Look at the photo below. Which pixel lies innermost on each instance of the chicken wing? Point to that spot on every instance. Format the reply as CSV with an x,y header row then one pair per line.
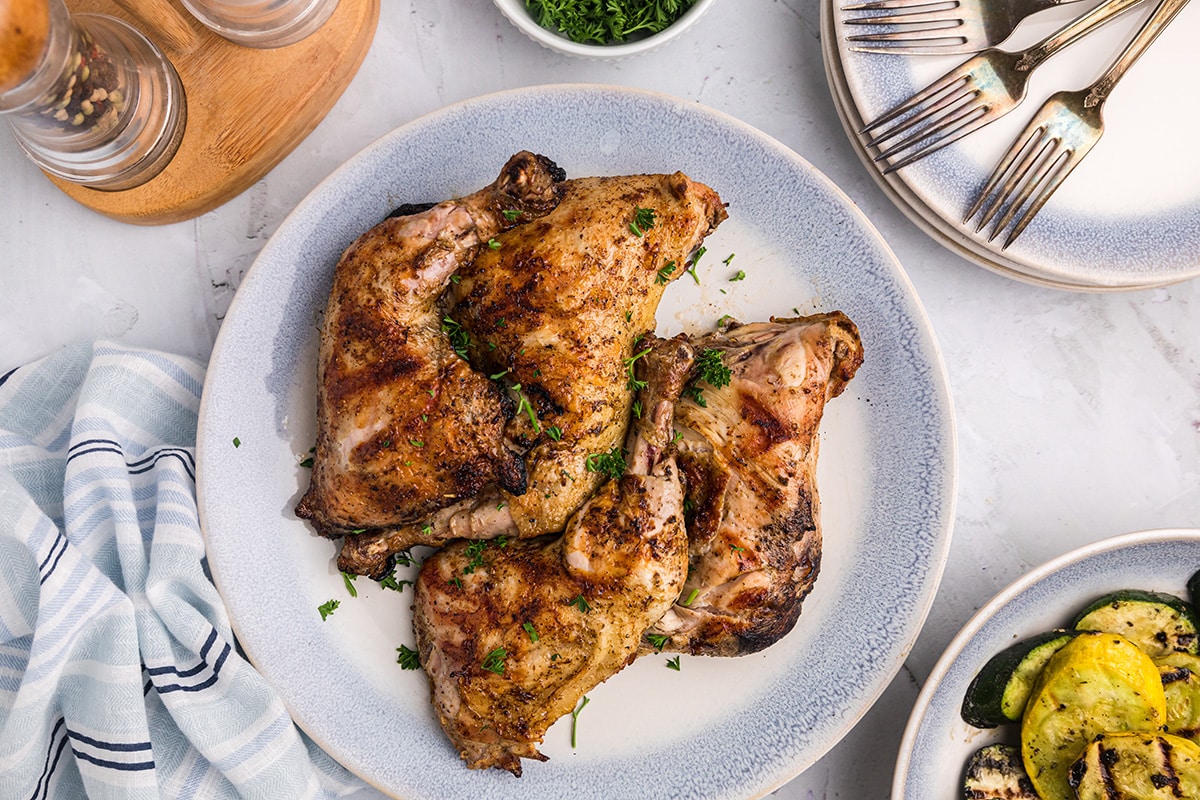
x,y
404,425
749,455
513,633
553,310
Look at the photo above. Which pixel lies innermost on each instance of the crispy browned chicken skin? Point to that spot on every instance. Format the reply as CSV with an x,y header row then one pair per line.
x,y
404,425
554,309
512,634
749,456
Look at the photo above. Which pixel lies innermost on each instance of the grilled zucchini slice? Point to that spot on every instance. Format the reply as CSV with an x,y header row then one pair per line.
x,y
1097,683
995,772
998,694
1158,623
1138,766
1180,673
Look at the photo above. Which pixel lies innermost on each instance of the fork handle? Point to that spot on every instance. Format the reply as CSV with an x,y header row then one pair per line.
x,y
1068,34
1145,37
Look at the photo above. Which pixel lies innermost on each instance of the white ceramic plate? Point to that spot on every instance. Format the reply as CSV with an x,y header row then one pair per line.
x,y
1127,217
731,728
937,742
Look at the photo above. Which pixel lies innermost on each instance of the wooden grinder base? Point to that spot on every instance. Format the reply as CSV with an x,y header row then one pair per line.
x,y
246,108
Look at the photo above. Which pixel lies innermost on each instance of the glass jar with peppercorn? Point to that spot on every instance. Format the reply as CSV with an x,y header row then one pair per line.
x,y
89,99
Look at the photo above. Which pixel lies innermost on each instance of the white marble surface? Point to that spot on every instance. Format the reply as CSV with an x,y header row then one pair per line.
x,y
1078,414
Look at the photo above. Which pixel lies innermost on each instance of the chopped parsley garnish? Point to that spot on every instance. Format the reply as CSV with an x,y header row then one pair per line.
x,y
735,549
582,604
416,442
460,340
494,661
475,554
692,597
658,640
523,404
575,717
407,658
678,437
632,383
637,408
611,463
348,579
610,21
740,276
697,394
427,529
237,442
511,214
628,316
664,274
502,541
722,318
493,244
390,582
533,635
328,608
457,581
673,663
308,462
710,368
404,558
497,376
643,220
727,259
554,432
691,265
456,279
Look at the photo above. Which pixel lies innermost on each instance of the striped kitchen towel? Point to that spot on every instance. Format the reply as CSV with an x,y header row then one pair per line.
x,y
119,674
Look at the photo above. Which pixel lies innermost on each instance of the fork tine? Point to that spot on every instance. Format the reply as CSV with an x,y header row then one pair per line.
x,y
1023,148
1073,157
922,18
965,126
1039,166
906,35
880,5
949,45
949,85
927,122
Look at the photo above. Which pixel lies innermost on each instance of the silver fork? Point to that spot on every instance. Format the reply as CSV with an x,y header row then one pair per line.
x,y
1062,132
939,27
978,91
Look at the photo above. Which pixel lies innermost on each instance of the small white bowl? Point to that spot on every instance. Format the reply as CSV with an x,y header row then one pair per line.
x,y
519,15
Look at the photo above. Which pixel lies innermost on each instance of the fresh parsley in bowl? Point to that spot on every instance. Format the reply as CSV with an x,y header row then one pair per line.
x,y
602,28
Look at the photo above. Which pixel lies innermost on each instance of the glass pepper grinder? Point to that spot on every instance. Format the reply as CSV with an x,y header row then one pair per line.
x,y
89,98
262,23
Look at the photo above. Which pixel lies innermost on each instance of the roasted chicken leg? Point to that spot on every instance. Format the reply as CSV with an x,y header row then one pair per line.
x,y
749,456
553,310
404,425
513,633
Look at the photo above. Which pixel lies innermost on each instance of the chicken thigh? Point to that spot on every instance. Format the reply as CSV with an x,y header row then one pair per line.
x,y
553,310
513,633
749,456
404,425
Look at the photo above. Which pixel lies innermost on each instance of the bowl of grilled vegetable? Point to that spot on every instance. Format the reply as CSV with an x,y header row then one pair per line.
x,y
1080,681
602,28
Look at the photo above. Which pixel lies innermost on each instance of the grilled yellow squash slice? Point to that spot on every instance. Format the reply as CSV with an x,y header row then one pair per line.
x,y
1138,766
1180,674
1097,683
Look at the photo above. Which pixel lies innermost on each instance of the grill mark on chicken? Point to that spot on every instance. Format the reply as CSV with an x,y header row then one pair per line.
x,y
404,426
750,460
624,555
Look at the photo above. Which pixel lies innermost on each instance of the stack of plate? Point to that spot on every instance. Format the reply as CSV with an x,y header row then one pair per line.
x,y
1127,218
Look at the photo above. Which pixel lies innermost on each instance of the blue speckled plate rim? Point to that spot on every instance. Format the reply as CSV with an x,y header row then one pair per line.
x,y
952,234
975,636
761,772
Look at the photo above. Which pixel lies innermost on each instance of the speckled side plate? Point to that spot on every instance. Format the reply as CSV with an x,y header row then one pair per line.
x,y
937,742
1128,217
717,728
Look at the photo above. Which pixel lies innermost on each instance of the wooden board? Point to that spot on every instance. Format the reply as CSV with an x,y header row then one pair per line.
x,y
246,108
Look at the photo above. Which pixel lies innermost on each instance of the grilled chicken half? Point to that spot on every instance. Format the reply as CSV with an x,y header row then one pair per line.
x,y
749,457
512,633
404,425
553,311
